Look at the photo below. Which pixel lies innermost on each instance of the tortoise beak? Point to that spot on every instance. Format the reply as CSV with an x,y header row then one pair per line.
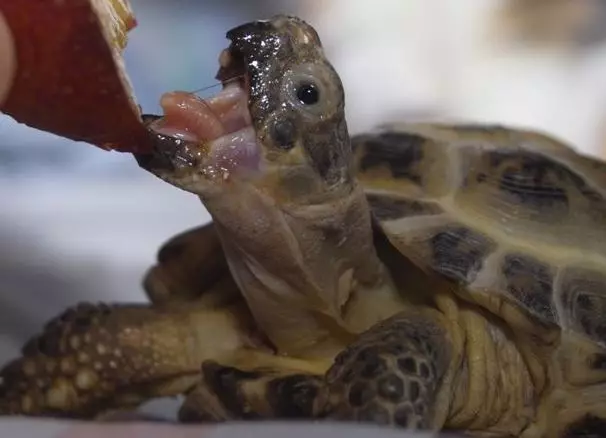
x,y
165,154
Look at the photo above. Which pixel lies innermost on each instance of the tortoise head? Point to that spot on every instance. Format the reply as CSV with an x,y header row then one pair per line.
x,y
270,158
278,125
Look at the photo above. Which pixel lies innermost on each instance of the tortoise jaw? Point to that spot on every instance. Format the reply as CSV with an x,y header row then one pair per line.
x,y
210,139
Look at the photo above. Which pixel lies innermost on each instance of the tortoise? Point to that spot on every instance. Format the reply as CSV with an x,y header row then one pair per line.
x,y
423,276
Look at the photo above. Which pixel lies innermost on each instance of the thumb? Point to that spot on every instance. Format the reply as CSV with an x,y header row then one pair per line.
x,y
7,59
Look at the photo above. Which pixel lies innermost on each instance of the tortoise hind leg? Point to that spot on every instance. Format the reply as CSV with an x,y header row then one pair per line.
x,y
98,358
395,373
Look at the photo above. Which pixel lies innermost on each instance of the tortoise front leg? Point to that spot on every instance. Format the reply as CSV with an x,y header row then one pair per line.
x,y
395,373
98,358
188,267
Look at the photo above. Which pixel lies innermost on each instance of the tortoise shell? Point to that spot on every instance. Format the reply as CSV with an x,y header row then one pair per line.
x,y
511,216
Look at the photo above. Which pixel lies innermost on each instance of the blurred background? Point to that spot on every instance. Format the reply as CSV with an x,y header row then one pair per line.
x,y
79,223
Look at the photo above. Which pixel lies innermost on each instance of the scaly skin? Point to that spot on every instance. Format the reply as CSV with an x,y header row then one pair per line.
x,y
97,358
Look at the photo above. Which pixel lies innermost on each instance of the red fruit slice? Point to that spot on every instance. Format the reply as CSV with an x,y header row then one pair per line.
x,y
70,78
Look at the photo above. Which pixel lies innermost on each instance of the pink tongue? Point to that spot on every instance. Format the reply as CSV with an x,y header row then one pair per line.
x,y
203,120
222,122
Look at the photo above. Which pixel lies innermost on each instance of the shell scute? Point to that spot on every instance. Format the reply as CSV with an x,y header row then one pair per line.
x,y
458,252
583,297
530,282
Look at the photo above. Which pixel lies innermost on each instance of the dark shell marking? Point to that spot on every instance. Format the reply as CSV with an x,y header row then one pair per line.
x,y
598,362
386,207
540,188
584,301
530,190
531,282
531,180
458,252
398,151
516,214
589,426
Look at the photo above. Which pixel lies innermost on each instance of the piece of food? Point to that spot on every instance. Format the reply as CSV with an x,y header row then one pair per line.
x,y
70,78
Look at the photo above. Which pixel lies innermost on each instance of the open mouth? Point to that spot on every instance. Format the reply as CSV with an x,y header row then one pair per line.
x,y
219,128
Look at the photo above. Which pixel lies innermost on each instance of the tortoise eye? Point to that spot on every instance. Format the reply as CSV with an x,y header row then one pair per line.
x,y
308,93
312,90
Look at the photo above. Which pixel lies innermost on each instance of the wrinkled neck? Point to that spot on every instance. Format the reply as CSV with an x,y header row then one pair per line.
x,y
296,265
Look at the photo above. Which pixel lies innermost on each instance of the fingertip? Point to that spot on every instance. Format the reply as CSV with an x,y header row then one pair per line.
x,y
7,59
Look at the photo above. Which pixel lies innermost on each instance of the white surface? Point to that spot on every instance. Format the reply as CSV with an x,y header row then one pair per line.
x,y
56,429
444,60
